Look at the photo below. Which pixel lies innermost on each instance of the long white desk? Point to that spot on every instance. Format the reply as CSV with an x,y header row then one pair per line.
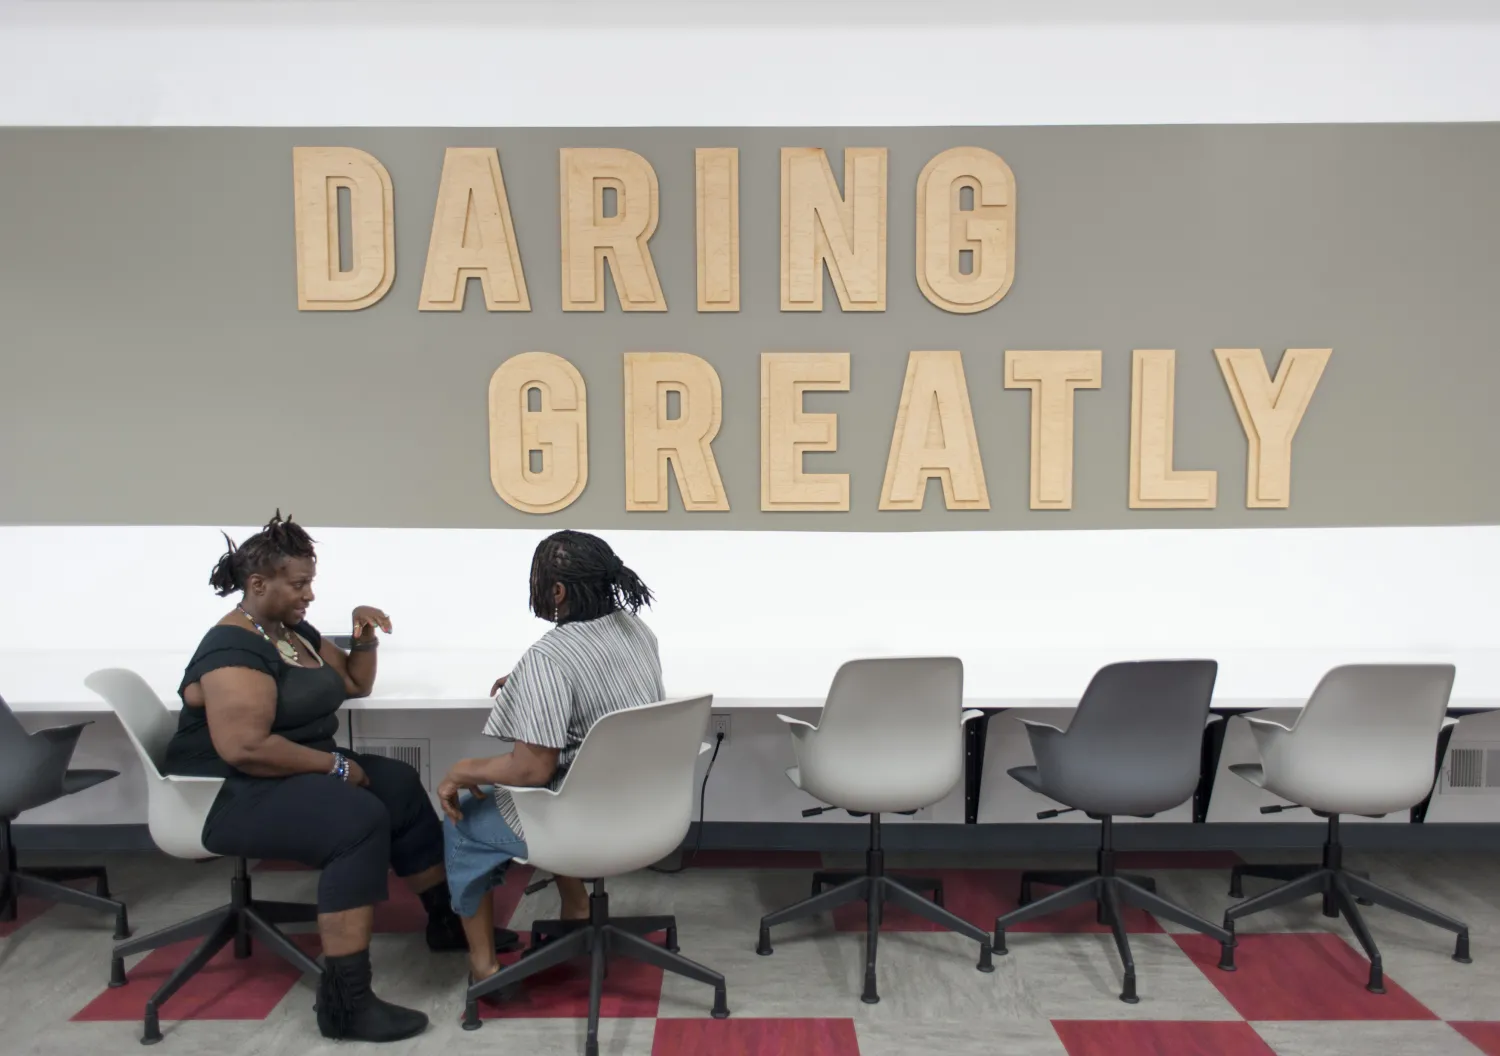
x,y
787,679
776,679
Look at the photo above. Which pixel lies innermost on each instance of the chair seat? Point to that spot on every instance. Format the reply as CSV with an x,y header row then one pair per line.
x,y
78,780
1030,776
1252,772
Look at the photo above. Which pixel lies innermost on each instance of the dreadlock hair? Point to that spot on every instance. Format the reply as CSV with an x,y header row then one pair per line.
x,y
597,582
261,554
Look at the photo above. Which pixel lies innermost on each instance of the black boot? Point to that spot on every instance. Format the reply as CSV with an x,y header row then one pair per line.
x,y
347,1008
445,931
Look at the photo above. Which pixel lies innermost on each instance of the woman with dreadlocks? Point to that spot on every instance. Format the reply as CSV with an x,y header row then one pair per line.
x,y
260,709
599,658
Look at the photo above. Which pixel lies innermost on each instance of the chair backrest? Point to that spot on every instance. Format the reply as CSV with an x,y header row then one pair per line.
x,y
1135,744
18,758
890,737
1366,741
627,799
176,808
147,721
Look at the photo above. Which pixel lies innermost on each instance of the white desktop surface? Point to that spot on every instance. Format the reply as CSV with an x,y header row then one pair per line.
x,y
40,681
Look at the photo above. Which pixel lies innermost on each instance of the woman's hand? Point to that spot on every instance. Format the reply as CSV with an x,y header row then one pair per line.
x,y
357,775
366,619
448,791
499,685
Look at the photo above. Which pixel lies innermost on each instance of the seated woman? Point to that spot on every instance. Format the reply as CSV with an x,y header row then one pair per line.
x,y
598,659
260,708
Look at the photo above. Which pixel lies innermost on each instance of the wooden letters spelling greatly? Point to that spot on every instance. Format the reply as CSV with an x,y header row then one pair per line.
x,y
934,437
539,456
590,238
787,431
1270,412
1052,377
1155,484
986,231
473,237
652,440
318,174
820,226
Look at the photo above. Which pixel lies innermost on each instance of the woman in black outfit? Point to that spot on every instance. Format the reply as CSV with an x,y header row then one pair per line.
x,y
260,709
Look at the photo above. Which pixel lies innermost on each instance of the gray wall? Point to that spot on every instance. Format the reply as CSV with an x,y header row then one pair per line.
x,y
154,368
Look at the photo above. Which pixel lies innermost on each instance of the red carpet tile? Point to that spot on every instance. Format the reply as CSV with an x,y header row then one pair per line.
x,y
632,990
1300,976
754,860
224,989
1146,1038
402,911
981,895
27,910
755,1037
1148,860
1483,1036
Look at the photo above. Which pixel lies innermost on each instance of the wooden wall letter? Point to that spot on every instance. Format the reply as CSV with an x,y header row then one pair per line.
x,y
589,238
652,439
718,229
472,237
945,230
557,432
318,174
818,226
1270,412
1154,483
786,430
1052,377
934,437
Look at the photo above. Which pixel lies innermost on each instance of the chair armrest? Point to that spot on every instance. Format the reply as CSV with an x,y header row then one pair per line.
x,y
794,723
60,734
1044,728
705,747
1449,721
969,716
188,779
1268,724
799,729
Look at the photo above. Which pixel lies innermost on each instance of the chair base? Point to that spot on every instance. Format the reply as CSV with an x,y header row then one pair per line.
x,y
243,919
1112,891
600,937
1343,892
50,883
875,889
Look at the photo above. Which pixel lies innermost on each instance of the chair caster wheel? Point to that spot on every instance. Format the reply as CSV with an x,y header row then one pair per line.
x,y
471,1019
763,946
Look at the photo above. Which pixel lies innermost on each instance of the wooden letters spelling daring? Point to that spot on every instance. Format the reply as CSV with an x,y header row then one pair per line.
x,y
473,237
590,238
947,230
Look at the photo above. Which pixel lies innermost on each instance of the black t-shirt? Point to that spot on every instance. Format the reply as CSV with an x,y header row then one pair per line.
x,y
307,698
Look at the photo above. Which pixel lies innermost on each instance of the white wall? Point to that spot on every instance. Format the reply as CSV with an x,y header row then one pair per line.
x,y
1274,605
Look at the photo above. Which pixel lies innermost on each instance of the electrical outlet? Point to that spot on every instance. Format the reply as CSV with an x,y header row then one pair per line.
x,y
718,726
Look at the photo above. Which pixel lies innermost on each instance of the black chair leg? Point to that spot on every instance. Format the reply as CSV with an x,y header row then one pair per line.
x,y
649,926
7,898
1308,884
852,891
901,895
558,951
1111,902
280,945
627,944
215,942
1359,887
1158,906
832,878
875,905
1067,898
596,990
64,873
1265,872
1345,902
32,885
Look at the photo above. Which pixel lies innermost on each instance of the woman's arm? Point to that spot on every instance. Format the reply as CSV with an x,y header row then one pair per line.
x,y
358,666
241,704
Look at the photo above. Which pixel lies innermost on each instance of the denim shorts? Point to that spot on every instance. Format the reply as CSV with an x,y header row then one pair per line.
x,y
477,850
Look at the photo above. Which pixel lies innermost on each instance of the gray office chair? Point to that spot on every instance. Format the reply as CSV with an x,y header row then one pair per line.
x,y
1365,743
1133,748
889,741
33,772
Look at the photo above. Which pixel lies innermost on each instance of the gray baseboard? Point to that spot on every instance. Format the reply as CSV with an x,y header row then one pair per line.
x,y
954,839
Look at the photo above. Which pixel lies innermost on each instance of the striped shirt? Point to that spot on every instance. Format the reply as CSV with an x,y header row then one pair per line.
x,y
573,676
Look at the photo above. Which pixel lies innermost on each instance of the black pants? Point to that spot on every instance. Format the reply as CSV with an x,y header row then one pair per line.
x,y
355,835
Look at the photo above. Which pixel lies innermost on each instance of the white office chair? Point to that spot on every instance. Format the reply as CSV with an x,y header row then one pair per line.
x,y
1364,744
176,809
889,741
627,801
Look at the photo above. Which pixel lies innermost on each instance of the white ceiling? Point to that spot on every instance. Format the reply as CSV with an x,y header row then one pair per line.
x,y
594,14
